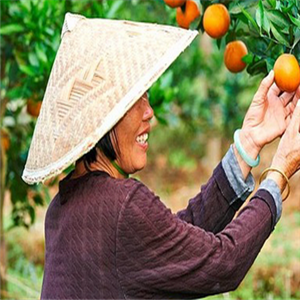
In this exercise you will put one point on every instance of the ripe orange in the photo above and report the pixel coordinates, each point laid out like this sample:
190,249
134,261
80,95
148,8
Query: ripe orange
216,20
234,52
174,3
287,73
192,12
33,107
5,141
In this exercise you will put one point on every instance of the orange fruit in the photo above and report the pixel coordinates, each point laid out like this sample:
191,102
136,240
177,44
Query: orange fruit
192,12
5,141
174,3
33,107
287,73
234,52
216,20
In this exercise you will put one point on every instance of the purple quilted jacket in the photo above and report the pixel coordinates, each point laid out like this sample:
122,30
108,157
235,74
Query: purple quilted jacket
108,238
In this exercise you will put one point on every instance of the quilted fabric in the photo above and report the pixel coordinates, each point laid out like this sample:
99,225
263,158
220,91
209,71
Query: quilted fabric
108,238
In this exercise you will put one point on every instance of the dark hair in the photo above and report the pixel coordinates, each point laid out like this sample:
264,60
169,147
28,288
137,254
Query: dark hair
105,145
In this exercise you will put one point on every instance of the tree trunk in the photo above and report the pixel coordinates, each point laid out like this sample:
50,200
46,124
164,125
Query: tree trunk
2,239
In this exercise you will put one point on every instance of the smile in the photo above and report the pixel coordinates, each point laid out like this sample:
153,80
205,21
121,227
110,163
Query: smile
142,139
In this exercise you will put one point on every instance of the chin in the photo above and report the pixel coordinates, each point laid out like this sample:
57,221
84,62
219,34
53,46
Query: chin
140,165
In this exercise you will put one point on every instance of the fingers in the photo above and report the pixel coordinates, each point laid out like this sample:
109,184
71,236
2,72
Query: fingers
264,88
289,109
274,91
286,98
297,94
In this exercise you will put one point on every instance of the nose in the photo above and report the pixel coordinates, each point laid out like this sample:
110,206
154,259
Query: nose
148,113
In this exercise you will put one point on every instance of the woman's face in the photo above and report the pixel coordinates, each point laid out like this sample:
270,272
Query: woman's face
132,135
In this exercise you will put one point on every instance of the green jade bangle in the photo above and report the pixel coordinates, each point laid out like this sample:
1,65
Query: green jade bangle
251,162
119,169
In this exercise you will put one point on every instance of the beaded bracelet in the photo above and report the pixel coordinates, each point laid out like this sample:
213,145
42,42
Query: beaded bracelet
282,174
251,162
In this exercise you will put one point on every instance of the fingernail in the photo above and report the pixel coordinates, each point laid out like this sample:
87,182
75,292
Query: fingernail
298,103
271,72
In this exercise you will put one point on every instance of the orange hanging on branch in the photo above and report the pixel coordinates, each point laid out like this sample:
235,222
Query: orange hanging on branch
287,73
234,52
174,3
187,14
216,20
33,107
5,141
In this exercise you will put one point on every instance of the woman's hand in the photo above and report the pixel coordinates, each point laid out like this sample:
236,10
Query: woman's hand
268,116
287,157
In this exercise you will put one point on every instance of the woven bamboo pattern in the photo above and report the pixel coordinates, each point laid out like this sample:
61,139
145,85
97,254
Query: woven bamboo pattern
101,69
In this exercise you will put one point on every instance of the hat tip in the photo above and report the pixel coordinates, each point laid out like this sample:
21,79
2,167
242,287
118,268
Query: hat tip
70,22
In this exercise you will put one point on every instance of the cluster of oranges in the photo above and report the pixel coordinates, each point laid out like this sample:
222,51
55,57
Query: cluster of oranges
216,22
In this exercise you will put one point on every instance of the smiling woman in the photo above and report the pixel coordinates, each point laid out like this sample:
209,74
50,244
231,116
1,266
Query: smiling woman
108,236
130,139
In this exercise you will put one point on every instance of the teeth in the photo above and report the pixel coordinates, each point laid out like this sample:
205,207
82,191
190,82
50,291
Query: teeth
142,139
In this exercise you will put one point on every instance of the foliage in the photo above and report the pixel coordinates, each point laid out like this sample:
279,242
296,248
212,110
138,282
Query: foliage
269,28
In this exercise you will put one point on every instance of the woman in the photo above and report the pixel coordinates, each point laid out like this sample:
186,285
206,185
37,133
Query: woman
110,237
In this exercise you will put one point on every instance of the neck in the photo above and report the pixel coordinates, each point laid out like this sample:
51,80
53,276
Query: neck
102,164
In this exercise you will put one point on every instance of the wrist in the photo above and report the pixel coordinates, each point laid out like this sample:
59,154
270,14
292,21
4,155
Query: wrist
278,178
280,162
251,148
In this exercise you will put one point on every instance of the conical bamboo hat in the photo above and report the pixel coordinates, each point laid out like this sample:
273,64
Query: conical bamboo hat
101,69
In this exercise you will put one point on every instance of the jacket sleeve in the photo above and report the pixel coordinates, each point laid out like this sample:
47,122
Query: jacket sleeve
215,206
158,255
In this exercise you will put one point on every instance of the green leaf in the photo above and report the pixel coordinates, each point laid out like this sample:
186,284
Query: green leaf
40,53
33,59
296,21
112,13
278,5
261,18
27,70
241,17
270,63
219,42
166,80
257,67
236,9
11,28
297,37
272,3
280,37
277,18
231,36
250,19
289,8
248,59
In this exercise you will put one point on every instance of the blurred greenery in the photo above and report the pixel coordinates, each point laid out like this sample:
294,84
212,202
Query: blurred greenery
195,99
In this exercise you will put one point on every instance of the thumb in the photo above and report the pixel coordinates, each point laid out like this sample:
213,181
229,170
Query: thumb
264,87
